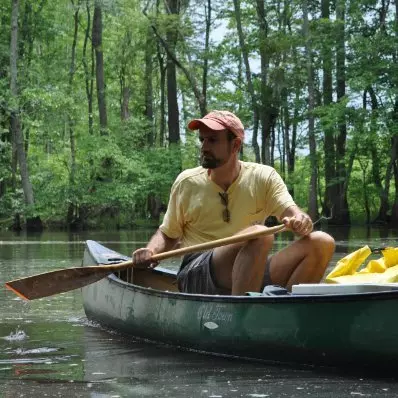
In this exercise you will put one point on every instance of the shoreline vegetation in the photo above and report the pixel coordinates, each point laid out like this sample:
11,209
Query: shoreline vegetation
112,223
95,98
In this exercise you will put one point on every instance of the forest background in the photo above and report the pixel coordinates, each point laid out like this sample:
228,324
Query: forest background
95,97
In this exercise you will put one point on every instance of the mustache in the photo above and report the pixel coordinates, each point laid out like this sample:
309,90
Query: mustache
206,154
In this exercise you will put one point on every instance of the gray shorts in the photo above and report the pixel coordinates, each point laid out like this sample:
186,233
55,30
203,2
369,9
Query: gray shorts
195,275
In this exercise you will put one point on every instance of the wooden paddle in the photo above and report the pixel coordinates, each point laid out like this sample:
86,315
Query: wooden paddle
63,280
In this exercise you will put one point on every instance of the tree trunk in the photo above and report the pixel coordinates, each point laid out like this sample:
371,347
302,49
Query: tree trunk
206,52
250,86
70,121
32,223
124,102
269,107
341,215
88,73
162,105
313,188
265,92
3,151
173,121
329,146
291,153
82,212
124,79
384,204
291,142
154,205
376,175
394,209
148,112
162,86
99,66
366,200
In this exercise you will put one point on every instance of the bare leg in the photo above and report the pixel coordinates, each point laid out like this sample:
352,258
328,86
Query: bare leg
241,266
304,261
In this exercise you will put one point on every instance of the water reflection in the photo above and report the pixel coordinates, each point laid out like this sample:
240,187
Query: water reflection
139,369
47,347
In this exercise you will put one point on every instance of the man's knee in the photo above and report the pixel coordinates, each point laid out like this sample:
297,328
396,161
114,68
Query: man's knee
322,248
262,244
322,241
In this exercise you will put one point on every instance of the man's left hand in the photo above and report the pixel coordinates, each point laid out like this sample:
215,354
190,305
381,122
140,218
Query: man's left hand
300,224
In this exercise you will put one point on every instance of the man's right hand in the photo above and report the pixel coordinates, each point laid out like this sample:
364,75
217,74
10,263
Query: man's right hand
142,258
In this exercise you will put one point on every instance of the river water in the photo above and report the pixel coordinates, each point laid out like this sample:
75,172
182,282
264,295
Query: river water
48,347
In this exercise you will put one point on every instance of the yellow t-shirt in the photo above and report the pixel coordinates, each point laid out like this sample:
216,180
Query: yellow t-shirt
195,209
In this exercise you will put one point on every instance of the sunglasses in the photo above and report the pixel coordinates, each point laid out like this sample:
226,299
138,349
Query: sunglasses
226,215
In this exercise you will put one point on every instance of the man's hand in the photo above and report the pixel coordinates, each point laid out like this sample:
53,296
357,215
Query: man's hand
142,258
300,224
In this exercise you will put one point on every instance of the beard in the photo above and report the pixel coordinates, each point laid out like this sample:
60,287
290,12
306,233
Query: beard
208,161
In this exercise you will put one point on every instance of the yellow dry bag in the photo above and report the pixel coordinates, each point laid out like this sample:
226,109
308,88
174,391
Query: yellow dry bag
381,270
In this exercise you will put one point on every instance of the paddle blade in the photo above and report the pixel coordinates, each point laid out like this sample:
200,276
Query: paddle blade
59,281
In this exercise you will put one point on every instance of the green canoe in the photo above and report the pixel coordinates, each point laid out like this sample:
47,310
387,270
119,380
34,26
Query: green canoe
358,329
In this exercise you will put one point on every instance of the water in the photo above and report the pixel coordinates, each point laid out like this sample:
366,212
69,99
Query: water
48,347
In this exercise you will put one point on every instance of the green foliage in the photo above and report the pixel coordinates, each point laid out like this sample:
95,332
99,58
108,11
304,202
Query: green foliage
113,175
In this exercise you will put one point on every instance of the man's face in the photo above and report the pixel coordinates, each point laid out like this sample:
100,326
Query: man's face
216,148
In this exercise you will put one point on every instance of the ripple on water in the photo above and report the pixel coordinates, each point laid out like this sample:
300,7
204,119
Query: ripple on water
18,335
40,360
42,350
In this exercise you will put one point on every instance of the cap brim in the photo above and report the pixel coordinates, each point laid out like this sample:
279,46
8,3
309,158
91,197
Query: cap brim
211,124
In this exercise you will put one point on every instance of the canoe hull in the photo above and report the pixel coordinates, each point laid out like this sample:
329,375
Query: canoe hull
327,330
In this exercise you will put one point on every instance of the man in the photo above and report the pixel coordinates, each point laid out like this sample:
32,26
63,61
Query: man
226,196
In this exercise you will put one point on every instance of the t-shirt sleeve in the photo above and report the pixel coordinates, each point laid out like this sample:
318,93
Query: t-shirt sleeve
173,222
277,196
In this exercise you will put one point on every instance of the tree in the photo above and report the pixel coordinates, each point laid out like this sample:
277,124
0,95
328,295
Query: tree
248,74
99,65
327,94
313,188
341,214
32,222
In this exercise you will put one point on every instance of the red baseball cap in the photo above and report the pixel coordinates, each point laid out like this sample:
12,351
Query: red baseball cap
220,120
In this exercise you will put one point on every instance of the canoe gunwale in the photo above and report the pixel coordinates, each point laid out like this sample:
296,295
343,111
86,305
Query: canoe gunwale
319,298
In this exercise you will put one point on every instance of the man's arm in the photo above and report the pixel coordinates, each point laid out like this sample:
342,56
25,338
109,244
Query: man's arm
159,243
297,221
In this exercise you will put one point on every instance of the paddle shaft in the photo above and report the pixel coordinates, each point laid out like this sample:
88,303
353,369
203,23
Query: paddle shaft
202,246
63,280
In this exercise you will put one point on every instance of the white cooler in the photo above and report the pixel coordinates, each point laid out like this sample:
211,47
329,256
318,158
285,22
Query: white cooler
346,288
